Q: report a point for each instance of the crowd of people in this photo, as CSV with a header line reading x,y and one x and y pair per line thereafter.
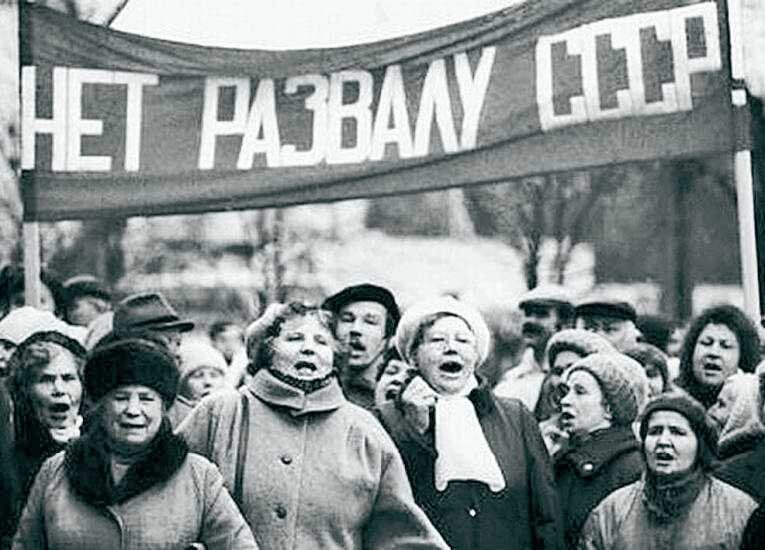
x,y
352,424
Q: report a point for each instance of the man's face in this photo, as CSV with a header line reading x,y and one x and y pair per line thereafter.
x,y
539,323
360,327
620,333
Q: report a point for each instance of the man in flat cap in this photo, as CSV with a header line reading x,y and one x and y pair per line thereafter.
x,y
546,310
366,316
614,320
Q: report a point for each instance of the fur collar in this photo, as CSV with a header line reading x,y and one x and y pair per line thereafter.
x,y
88,470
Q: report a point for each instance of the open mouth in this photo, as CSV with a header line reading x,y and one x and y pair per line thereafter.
x,y
305,367
392,392
355,345
59,408
566,417
663,456
132,427
450,367
531,330
712,367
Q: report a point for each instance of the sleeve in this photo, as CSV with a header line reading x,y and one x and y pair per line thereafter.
x,y
30,533
396,521
198,429
544,507
223,527
592,534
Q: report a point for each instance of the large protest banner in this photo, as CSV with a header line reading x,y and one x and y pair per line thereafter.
x,y
118,124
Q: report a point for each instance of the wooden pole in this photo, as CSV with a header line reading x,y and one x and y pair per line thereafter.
x,y
32,284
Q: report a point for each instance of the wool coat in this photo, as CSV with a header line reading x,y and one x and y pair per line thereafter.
x,y
587,473
523,515
754,534
715,520
180,409
318,472
172,500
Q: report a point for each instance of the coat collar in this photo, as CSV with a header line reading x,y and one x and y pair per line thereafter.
x,y
602,447
482,398
87,467
268,388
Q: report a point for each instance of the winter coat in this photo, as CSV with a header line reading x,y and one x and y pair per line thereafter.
x,y
180,409
319,472
523,515
169,500
716,519
754,533
746,470
587,473
7,471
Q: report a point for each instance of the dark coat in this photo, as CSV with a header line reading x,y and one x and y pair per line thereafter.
x,y
746,470
524,515
585,474
754,533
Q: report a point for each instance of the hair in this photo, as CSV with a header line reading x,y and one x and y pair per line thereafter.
x,y
391,354
264,352
12,282
737,321
219,327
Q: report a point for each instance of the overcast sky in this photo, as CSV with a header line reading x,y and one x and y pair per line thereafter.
x,y
285,24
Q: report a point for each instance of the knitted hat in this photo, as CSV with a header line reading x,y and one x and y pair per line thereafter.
x,y
23,322
256,330
131,361
745,417
365,293
413,318
622,381
196,354
581,342
682,403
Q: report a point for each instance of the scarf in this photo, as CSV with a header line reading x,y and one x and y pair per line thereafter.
x,y
667,497
463,452
306,386
63,435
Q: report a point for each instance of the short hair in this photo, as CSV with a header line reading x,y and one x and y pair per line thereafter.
x,y
741,326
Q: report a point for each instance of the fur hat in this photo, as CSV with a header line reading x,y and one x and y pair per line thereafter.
x,y
196,354
581,342
23,322
131,361
682,403
745,417
622,381
410,323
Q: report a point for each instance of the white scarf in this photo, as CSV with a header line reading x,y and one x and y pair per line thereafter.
x,y
463,452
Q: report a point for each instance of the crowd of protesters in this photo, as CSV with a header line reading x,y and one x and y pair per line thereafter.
x,y
353,424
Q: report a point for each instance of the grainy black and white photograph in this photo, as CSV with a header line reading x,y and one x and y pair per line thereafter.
x,y
382,274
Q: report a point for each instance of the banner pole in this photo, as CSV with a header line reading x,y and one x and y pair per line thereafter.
x,y
30,230
742,162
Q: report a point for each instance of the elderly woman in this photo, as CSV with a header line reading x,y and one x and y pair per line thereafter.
x,y
203,371
720,342
563,350
477,462
308,468
740,413
676,504
46,392
128,482
602,395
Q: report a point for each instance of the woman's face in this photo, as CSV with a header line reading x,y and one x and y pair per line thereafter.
x,y
56,390
582,407
716,355
203,381
132,415
720,411
655,380
303,349
447,355
670,444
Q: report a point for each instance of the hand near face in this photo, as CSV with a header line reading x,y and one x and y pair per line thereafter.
x,y
416,401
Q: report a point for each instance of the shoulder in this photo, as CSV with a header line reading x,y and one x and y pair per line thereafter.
x,y
731,496
53,465
365,422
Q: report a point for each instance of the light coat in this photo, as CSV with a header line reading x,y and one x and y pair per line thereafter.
x,y
715,520
320,472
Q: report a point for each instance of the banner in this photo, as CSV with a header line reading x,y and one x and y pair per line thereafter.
x,y
119,124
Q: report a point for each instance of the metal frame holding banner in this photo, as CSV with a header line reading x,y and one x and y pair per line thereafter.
x,y
114,124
